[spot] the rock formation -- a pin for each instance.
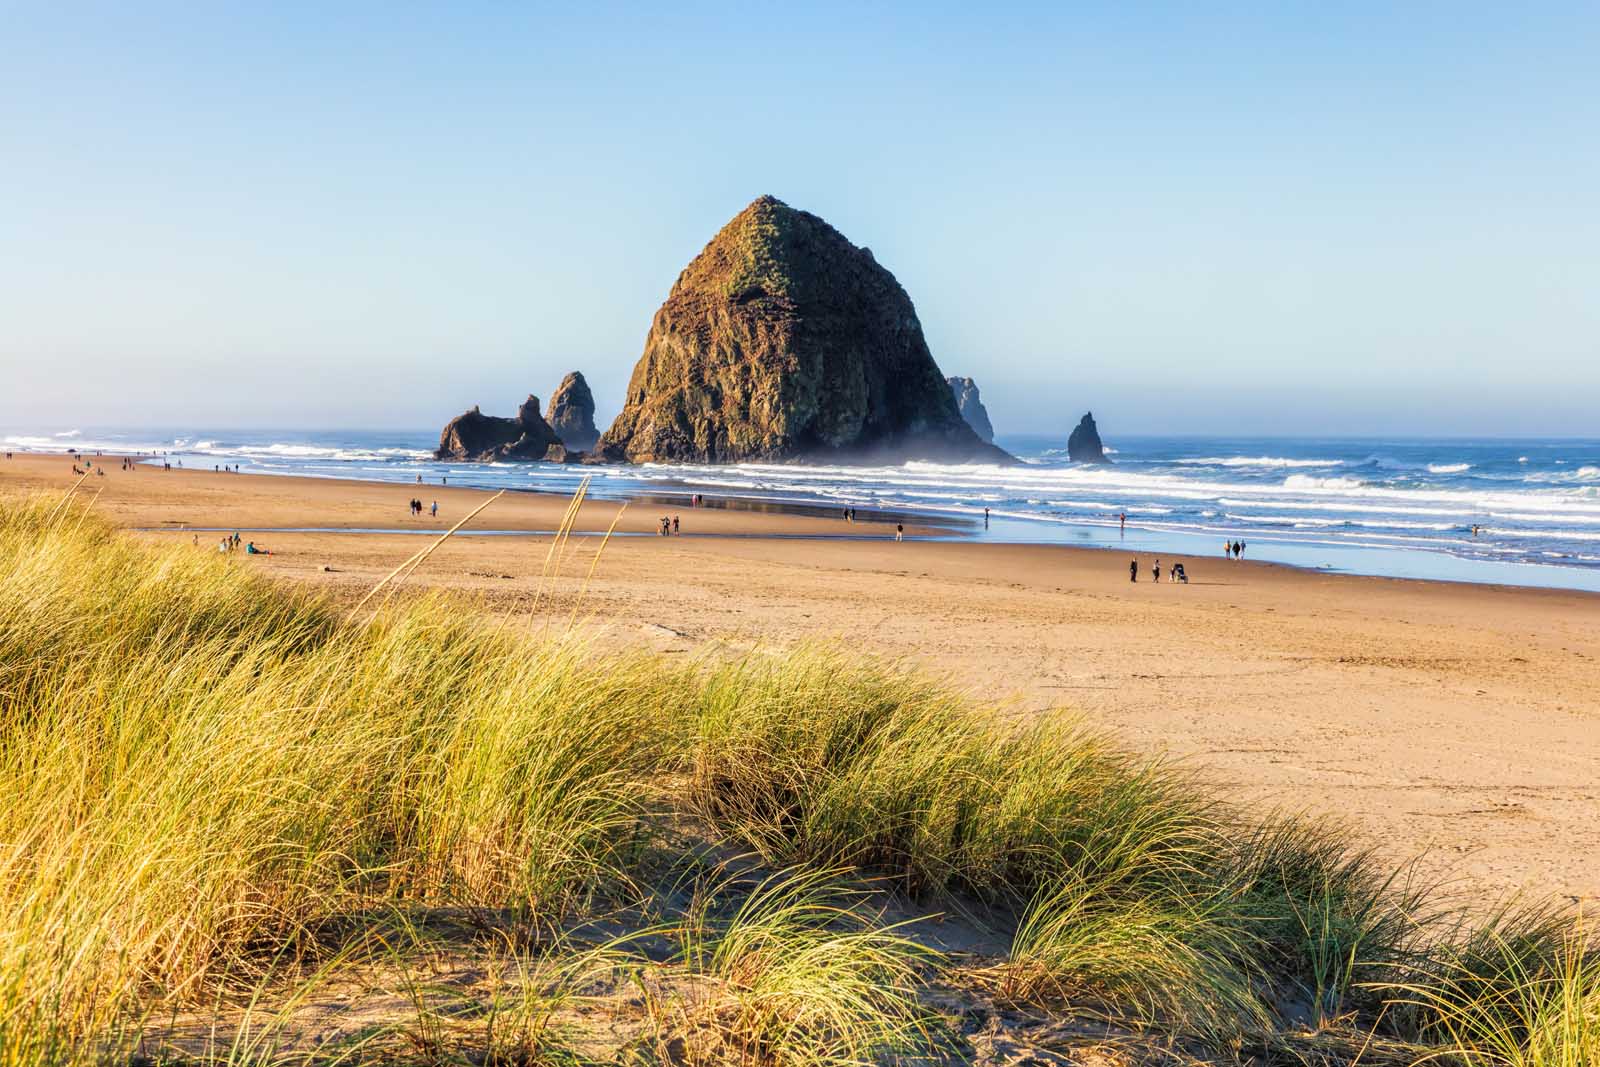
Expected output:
(971, 406)
(485, 438)
(1084, 445)
(782, 340)
(571, 413)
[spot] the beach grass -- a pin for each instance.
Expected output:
(216, 785)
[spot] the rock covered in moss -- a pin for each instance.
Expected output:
(784, 341)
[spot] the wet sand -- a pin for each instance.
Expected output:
(1456, 722)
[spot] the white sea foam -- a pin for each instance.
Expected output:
(1448, 468)
(1258, 461)
(1310, 481)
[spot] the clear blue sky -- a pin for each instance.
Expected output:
(1299, 217)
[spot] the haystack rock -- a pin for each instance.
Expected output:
(971, 406)
(1084, 445)
(571, 413)
(486, 438)
(784, 341)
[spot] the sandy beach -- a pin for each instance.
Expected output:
(1456, 723)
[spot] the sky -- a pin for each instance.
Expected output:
(1191, 218)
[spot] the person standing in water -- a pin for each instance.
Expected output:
(1124, 521)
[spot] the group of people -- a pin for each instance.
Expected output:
(1233, 550)
(416, 508)
(849, 514)
(231, 544)
(1176, 574)
(669, 526)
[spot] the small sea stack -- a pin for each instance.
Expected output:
(481, 438)
(571, 413)
(970, 404)
(1084, 445)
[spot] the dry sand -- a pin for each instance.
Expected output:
(1453, 722)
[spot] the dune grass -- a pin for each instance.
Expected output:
(213, 782)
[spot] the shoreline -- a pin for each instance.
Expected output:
(930, 525)
(1454, 721)
(962, 525)
(1178, 498)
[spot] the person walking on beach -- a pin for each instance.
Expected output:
(435, 510)
(899, 531)
(1133, 570)
(1155, 573)
(674, 524)
(1241, 550)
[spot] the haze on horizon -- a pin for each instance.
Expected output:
(1366, 220)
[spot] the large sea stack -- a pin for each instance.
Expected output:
(971, 406)
(784, 341)
(486, 438)
(571, 413)
(1084, 445)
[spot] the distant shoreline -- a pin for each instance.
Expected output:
(1349, 505)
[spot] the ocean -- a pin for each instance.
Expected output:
(1397, 508)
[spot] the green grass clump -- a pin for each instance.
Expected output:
(789, 971)
(200, 766)
(820, 756)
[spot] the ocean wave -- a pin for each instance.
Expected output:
(1585, 473)
(1258, 461)
(1563, 535)
(1448, 468)
(1311, 481)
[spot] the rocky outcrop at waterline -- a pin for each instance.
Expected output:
(784, 341)
(1084, 445)
(474, 436)
(970, 404)
(571, 413)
